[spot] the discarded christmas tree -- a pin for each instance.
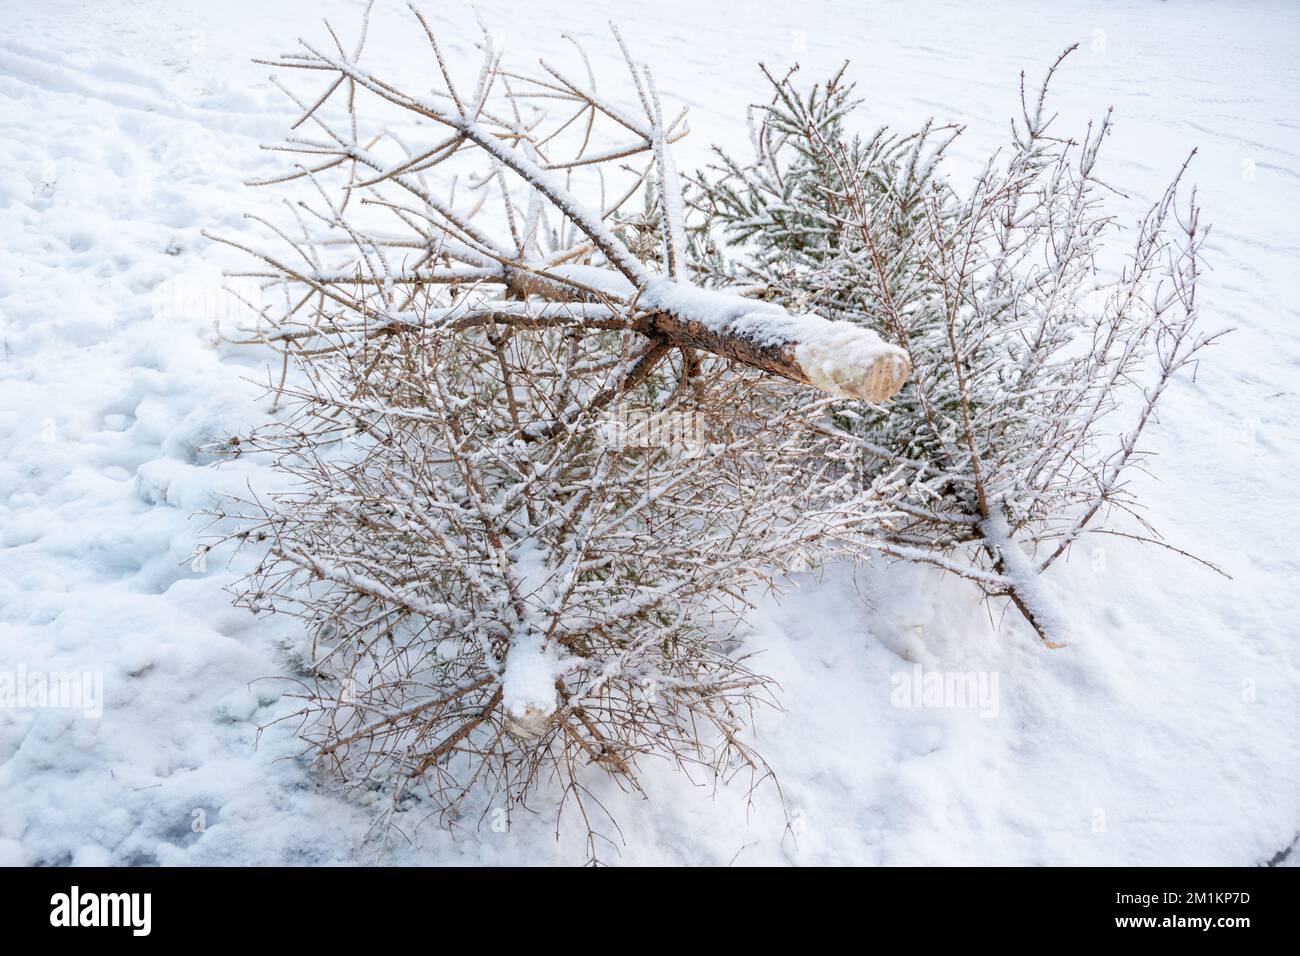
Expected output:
(536, 471)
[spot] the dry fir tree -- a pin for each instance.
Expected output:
(534, 472)
(1034, 374)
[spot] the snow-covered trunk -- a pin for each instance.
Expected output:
(834, 357)
(1026, 589)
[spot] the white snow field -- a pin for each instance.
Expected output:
(1168, 732)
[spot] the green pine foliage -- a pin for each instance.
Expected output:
(1034, 372)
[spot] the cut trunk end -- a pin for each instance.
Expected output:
(876, 375)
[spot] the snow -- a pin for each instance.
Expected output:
(1165, 733)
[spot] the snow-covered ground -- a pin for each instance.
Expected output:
(1169, 732)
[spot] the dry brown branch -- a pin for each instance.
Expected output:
(528, 496)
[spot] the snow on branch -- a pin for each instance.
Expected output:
(562, 245)
(834, 357)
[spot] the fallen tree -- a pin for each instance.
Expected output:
(536, 473)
